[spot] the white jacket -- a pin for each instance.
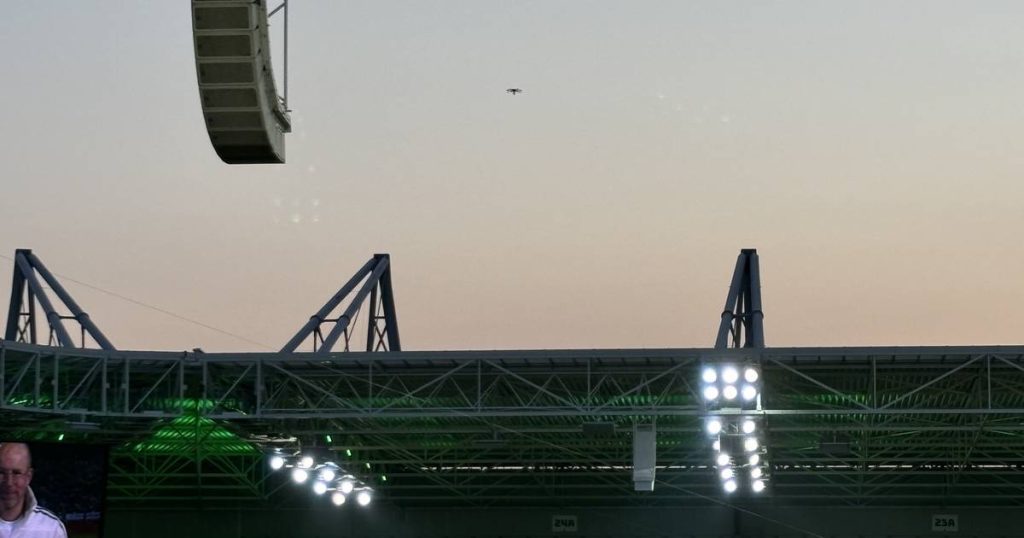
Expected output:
(35, 522)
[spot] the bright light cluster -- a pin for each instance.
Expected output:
(729, 385)
(326, 477)
(736, 439)
(738, 453)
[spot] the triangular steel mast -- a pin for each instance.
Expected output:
(742, 319)
(382, 326)
(27, 290)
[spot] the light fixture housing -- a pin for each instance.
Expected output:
(328, 473)
(732, 398)
(347, 485)
(364, 497)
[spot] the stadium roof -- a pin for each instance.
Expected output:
(857, 426)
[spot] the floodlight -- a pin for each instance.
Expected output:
(723, 458)
(730, 375)
(750, 375)
(750, 444)
(338, 498)
(306, 462)
(749, 392)
(757, 486)
(709, 375)
(749, 426)
(347, 485)
(327, 473)
(714, 426)
(299, 475)
(729, 485)
(276, 462)
(754, 459)
(363, 498)
(756, 472)
(319, 487)
(729, 392)
(726, 473)
(710, 393)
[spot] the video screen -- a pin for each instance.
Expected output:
(70, 481)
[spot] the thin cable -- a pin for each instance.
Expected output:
(156, 308)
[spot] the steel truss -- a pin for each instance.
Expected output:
(27, 289)
(742, 319)
(858, 425)
(382, 324)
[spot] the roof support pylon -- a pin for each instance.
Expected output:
(382, 325)
(742, 319)
(27, 290)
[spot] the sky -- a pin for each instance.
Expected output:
(871, 152)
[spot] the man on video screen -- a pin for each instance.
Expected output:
(20, 516)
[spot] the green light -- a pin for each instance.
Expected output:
(329, 440)
(348, 452)
(383, 478)
(367, 465)
(191, 433)
(60, 437)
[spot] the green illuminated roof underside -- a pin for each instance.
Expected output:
(191, 434)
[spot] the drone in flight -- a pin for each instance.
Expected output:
(514, 91)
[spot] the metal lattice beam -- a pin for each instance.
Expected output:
(844, 426)
(473, 427)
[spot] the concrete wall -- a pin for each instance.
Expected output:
(711, 522)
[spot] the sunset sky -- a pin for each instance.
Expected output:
(872, 152)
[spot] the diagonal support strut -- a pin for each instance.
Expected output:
(742, 319)
(377, 275)
(27, 289)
